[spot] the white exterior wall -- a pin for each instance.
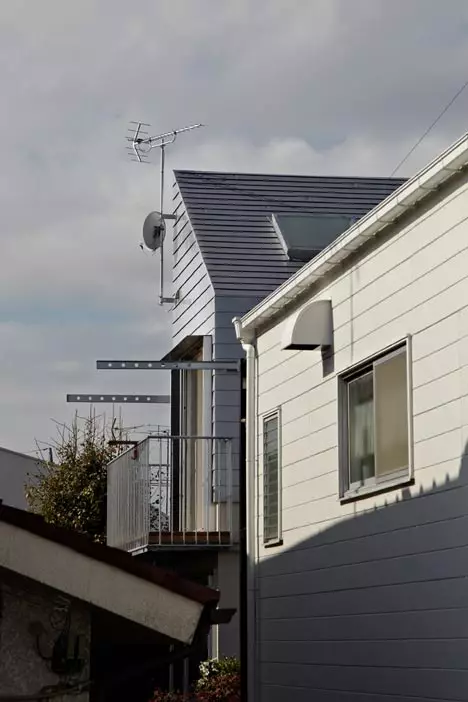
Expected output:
(16, 470)
(369, 599)
(194, 311)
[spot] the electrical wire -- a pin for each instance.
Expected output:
(430, 128)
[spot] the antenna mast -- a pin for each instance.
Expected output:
(141, 145)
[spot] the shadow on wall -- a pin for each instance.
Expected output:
(374, 608)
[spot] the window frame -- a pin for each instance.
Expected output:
(352, 491)
(278, 540)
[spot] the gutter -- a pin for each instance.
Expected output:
(413, 192)
(248, 550)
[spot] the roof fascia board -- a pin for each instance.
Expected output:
(406, 196)
(99, 584)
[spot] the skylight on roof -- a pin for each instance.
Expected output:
(303, 236)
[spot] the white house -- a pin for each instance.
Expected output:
(228, 254)
(16, 471)
(357, 429)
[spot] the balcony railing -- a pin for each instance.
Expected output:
(173, 491)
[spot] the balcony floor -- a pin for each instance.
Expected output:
(190, 538)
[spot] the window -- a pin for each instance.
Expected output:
(271, 480)
(375, 423)
(303, 236)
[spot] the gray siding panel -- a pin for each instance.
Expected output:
(230, 215)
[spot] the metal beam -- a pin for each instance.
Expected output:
(142, 399)
(169, 365)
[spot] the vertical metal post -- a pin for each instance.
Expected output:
(167, 458)
(229, 499)
(220, 468)
(161, 282)
(186, 682)
(184, 491)
(174, 448)
(160, 492)
(208, 456)
(171, 671)
(209, 447)
(242, 467)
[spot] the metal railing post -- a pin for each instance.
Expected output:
(229, 500)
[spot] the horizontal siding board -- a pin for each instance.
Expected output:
(432, 536)
(425, 683)
(227, 413)
(446, 598)
(225, 381)
(276, 693)
(449, 598)
(398, 653)
(226, 398)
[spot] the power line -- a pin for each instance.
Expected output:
(430, 128)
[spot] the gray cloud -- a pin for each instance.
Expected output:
(321, 86)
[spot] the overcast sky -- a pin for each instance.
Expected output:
(297, 86)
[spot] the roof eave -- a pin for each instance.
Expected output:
(418, 188)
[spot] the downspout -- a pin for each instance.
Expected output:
(248, 549)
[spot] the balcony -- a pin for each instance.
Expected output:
(173, 492)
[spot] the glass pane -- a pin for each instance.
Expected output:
(391, 414)
(361, 429)
(304, 235)
(270, 480)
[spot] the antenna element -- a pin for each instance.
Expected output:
(154, 229)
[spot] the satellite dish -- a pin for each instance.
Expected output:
(153, 231)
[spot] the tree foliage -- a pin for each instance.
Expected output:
(71, 491)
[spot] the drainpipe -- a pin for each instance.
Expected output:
(248, 550)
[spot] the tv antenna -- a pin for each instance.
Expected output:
(154, 228)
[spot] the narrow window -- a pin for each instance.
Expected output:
(271, 480)
(375, 422)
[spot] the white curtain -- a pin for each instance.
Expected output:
(361, 430)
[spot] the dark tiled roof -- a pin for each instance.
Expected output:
(111, 556)
(231, 216)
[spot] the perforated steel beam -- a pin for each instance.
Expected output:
(169, 365)
(128, 399)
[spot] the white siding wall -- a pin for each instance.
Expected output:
(194, 313)
(16, 470)
(369, 599)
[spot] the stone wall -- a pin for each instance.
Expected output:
(31, 619)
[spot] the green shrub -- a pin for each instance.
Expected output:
(219, 681)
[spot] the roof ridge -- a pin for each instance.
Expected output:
(312, 176)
